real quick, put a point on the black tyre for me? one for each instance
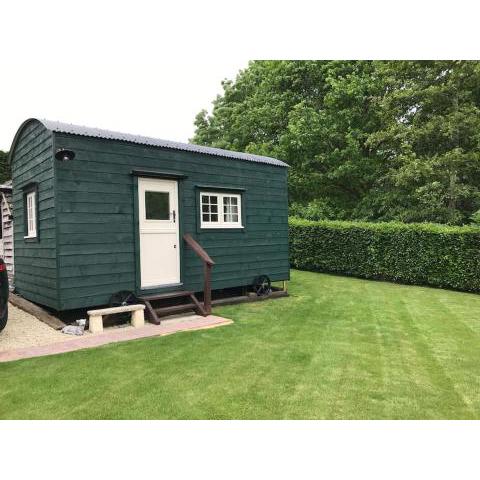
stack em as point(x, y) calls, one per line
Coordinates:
point(120, 299)
point(262, 286)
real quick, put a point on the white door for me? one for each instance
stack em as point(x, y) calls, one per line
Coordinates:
point(158, 228)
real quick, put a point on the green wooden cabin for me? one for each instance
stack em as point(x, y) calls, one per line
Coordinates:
point(97, 212)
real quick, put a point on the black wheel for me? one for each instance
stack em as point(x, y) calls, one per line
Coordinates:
point(262, 286)
point(121, 299)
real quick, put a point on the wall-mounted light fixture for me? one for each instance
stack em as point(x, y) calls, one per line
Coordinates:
point(64, 155)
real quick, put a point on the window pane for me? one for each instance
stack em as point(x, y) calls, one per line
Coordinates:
point(205, 208)
point(31, 219)
point(214, 217)
point(206, 217)
point(214, 199)
point(204, 198)
point(230, 218)
point(233, 200)
point(214, 209)
point(157, 205)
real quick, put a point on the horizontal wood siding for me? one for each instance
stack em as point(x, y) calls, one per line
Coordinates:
point(35, 262)
point(96, 229)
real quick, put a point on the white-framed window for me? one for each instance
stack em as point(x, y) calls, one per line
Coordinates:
point(31, 210)
point(220, 210)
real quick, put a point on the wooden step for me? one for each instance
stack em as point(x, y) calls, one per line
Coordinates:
point(164, 296)
point(162, 311)
point(153, 313)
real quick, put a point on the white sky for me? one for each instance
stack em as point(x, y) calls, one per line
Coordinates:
point(149, 66)
point(159, 99)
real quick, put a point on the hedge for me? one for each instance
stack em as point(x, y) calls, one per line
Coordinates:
point(421, 254)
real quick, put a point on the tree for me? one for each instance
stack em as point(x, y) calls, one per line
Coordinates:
point(430, 141)
point(365, 140)
point(314, 115)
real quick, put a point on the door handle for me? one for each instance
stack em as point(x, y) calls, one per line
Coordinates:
point(174, 215)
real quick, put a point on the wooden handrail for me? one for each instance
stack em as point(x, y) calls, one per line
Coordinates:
point(207, 271)
point(198, 249)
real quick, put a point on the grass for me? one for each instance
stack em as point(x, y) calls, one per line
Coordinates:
point(337, 348)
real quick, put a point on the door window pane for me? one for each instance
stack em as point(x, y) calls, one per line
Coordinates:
point(157, 205)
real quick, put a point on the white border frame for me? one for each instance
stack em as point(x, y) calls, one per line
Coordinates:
point(31, 233)
point(221, 223)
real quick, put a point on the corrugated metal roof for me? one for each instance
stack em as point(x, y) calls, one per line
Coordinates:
point(156, 142)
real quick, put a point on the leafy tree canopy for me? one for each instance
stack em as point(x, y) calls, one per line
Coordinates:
point(365, 140)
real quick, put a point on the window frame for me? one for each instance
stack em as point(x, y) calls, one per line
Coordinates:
point(221, 223)
point(31, 234)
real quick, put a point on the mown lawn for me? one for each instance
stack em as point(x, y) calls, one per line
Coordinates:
point(337, 348)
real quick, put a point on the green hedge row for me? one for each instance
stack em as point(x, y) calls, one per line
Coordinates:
point(422, 254)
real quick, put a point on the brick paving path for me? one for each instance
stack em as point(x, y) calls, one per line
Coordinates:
point(179, 324)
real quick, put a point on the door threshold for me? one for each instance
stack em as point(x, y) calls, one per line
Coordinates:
point(164, 285)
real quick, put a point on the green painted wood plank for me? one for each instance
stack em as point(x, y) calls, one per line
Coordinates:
point(47, 272)
point(85, 197)
point(30, 145)
point(93, 187)
point(92, 282)
point(97, 218)
point(42, 298)
point(106, 290)
point(86, 270)
point(122, 173)
point(95, 248)
point(93, 228)
point(38, 281)
point(104, 258)
point(81, 239)
point(77, 207)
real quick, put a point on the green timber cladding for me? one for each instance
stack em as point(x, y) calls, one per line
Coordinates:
point(88, 235)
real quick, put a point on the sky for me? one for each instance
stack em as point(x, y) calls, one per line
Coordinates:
point(158, 99)
point(148, 67)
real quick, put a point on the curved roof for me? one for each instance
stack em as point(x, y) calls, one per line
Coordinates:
point(155, 142)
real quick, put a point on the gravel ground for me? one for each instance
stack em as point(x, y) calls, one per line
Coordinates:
point(25, 330)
